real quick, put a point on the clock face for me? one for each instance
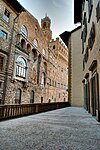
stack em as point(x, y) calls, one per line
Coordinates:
point(35, 43)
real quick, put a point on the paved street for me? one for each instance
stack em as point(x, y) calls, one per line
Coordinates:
point(70, 128)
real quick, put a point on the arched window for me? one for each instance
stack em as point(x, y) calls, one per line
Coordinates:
point(44, 52)
point(32, 97)
point(35, 43)
point(18, 96)
point(53, 46)
point(24, 30)
point(21, 67)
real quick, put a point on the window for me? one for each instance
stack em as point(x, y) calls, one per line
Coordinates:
point(32, 97)
point(3, 34)
point(6, 15)
point(21, 67)
point(44, 52)
point(24, 31)
point(90, 6)
point(1, 63)
point(35, 43)
point(54, 47)
point(91, 39)
point(98, 11)
point(41, 99)
point(18, 96)
point(44, 25)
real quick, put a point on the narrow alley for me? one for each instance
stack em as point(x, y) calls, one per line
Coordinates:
point(69, 128)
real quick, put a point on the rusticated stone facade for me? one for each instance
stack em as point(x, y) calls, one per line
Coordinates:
point(58, 71)
point(28, 66)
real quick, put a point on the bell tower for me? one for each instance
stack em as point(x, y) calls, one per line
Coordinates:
point(45, 25)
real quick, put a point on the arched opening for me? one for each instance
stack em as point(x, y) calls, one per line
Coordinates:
point(53, 46)
point(28, 47)
point(18, 96)
point(34, 53)
point(23, 43)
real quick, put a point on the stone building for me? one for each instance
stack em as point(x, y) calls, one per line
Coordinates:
point(91, 56)
point(25, 69)
point(8, 16)
point(57, 71)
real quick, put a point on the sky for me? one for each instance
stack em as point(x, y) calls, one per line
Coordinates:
point(61, 13)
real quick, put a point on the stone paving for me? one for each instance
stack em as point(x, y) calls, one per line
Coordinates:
point(69, 128)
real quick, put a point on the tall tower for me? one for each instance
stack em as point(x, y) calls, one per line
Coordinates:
point(45, 25)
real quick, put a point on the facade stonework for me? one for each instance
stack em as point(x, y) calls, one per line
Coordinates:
point(91, 56)
point(58, 71)
point(27, 68)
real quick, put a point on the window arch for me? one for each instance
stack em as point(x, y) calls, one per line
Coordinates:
point(18, 96)
point(24, 30)
point(21, 67)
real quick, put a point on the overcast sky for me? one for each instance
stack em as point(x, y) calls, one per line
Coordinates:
point(60, 12)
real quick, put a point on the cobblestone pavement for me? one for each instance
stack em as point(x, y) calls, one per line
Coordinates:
point(70, 128)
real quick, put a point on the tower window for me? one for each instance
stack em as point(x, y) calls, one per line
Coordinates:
point(54, 47)
point(44, 25)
